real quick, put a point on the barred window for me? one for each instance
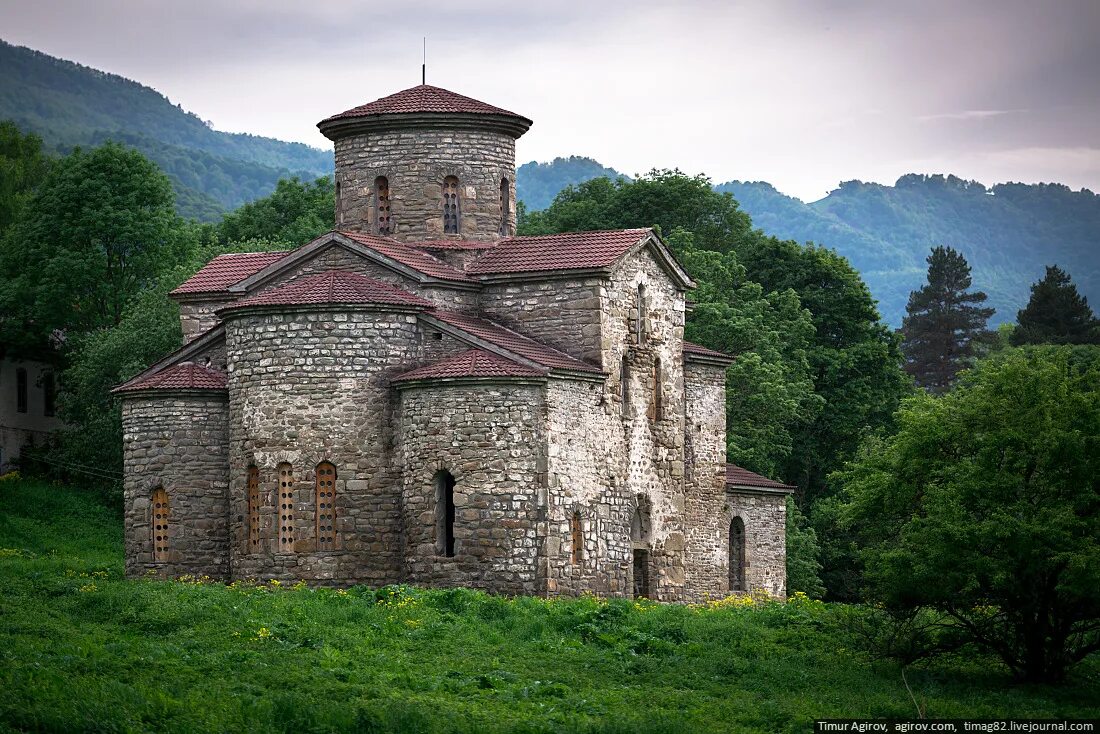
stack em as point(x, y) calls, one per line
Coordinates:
point(253, 509)
point(286, 508)
point(450, 205)
point(160, 525)
point(325, 505)
point(383, 222)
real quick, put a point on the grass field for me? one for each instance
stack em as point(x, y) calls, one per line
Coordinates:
point(82, 649)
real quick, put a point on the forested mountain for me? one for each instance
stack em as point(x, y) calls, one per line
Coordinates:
point(69, 105)
point(538, 183)
point(1007, 233)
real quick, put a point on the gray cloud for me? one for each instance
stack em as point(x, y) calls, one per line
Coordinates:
point(802, 94)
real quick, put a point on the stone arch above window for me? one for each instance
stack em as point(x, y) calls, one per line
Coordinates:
point(451, 211)
point(576, 535)
point(737, 559)
point(505, 207)
point(444, 483)
point(254, 503)
point(325, 506)
point(383, 221)
point(160, 527)
point(286, 507)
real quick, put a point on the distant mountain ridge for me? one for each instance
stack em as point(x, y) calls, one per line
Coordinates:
point(69, 105)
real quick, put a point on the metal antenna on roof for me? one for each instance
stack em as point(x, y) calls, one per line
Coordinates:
point(424, 66)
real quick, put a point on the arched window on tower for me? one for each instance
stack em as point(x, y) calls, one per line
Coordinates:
point(383, 224)
point(325, 506)
point(576, 532)
point(451, 212)
point(253, 509)
point(505, 207)
point(737, 555)
point(444, 513)
point(640, 315)
point(286, 508)
point(160, 525)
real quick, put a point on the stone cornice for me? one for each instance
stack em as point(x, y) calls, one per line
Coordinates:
point(341, 127)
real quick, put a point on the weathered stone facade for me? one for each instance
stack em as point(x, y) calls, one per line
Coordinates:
point(467, 408)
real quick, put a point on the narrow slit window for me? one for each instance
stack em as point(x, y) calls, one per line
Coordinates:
point(450, 205)
point(624, 383)
point(737, 555)
point(253, 509)
point(326, 506)
point(49, 394)
point(382, 219)
point(286, 508)
point(641, 312)
point(21, 390)
point(160, 525)
point(339, 219)
point(576, 531)
point(658, 391)
point(505, 207)
point(445, 514)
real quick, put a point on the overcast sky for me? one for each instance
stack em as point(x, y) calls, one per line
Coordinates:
point(801, 94)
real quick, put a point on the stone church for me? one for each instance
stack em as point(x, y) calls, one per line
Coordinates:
point(422, 396)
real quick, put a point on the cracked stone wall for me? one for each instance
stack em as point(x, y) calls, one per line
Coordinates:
point(415, 162)
point(178, 442)
point(489, 436)
point(306, 388)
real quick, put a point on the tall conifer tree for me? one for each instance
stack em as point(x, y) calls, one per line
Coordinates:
point(943, 319)
point(1056, 313)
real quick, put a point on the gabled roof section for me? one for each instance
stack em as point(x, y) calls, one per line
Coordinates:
point(409, 255)
point(471, 364)
point(207, 340)
point(691, 349)
point(424, 98)
point(332, 287)
point(226, 270)
point(503, 338)
point(183, 376)
point(738, 478)
point(584, 251)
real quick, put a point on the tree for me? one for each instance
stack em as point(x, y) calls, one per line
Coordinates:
point(295, 213)
point(943, 322)
point(984, 509)
point(1056, 314)
point(803, 552)
point(22, 168)
point(769, 393)
point(94, 235)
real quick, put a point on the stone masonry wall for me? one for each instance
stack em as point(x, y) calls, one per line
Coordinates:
point(415, 162)
point(705, 481)
point(564, 314)
point(306, 388)
point(765, 518)
point(489, 436)
point(178, 442)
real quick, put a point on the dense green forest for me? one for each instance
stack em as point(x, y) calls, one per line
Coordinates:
point(70, 105)
point(538, 183)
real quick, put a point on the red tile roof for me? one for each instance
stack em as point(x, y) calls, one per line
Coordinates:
point(513, 342)
point(409, 255)
point(738, 477)
point(455, 245)
point(472, 363)
point(692, 348)
point(182, 376)
point(332, 286)
point(424, 98)
point(226, 270)
point(565, 251)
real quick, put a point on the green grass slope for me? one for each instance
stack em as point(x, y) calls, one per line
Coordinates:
point(81, 649)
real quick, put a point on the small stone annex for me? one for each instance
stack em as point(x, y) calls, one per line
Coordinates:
point(422, 396)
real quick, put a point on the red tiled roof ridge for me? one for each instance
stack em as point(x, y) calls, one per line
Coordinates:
point(471, 363)
point(693, 348)
point(424, 98)
point(408, 254)
point(738, 476)
point(182, 376)
point(228, 269)
point(562, 251)
point(330, 287)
